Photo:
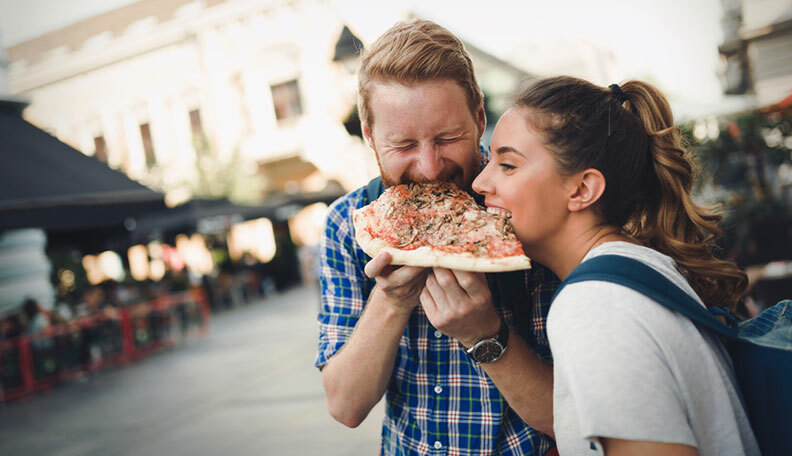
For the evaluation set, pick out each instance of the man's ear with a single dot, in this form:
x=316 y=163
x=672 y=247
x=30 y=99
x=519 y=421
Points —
x=588 y=187
x=481 y=119
x=367 y=135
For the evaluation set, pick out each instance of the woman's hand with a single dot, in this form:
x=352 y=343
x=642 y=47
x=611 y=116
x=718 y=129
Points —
x=459 y=304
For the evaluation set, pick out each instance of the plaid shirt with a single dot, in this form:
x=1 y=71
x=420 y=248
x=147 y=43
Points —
x=438 y=401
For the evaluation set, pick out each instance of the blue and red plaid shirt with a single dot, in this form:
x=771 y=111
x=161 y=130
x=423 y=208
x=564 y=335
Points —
x=438 y=401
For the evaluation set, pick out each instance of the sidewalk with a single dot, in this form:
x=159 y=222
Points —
x=248 y=388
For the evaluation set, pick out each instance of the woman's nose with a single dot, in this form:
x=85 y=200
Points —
x=481 y=184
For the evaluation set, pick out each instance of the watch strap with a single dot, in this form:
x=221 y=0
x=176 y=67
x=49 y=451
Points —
x=502 y=339
x=503 y=334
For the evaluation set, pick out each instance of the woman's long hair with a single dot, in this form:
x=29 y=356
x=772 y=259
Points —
x=627 y=133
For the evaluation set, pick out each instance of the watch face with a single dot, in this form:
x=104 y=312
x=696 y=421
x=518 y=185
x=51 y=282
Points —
x=487 y=351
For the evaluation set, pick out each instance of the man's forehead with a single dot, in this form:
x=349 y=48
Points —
x=448 y=87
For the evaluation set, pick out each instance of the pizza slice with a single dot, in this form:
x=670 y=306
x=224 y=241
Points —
x=438 y=225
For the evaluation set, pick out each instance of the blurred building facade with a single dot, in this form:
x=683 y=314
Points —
x=757 y=49
x=574 y=56
x=160 y=88
x=748 y=150
x=174 y=91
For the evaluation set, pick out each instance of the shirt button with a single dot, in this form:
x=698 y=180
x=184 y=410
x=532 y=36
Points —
x=438 y=334
x=438 y=389
x=438 y=445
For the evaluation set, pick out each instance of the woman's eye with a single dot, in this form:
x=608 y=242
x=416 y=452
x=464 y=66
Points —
x=507 y=167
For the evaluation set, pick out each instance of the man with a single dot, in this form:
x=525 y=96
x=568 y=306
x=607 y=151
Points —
x=422 y=113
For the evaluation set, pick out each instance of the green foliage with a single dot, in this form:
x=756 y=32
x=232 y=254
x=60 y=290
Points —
x=223 y=178
x=214 y=177
x=749 y=168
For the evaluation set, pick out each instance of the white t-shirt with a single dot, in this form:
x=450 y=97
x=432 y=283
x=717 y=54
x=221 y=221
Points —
x=626 y=367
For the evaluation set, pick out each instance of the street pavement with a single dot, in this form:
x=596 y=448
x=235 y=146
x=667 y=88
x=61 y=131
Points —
x=246 y=388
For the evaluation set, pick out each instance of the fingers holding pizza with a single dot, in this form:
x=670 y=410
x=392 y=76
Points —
x=401 y=284
x=459 y=304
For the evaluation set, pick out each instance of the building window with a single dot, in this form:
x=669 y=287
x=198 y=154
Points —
x=200 y=141
x=286 y=98
x=195 y=122
x=100 y=149
x=736 y=74
x=148 y=145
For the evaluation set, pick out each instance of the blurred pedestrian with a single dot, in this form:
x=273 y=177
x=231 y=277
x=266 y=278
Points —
x=62 y=312
x=35 y=319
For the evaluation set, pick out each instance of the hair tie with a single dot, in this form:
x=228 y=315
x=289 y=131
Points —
x=618 y=92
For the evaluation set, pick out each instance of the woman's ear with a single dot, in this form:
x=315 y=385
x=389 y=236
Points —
x=588 y=187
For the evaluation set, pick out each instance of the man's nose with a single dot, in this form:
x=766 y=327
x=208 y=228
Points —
x=430 y=164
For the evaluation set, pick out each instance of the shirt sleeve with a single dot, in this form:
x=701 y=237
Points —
x=610 y=358
x=344 y=288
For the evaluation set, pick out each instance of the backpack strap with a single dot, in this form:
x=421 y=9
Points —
x=375 y=188
x=644 y=279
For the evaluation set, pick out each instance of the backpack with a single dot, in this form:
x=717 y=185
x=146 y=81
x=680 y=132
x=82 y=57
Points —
x=760 y=348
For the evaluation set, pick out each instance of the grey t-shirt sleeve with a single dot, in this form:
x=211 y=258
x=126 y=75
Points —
x=609 y=360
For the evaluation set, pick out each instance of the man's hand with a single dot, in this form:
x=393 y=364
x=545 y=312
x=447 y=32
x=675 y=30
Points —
x=356 y=377
x=401 y=285
x=459 y=304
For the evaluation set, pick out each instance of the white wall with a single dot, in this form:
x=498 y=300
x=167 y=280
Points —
x=760 y=13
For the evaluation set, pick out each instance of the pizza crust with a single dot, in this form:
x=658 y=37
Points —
x=426 y=257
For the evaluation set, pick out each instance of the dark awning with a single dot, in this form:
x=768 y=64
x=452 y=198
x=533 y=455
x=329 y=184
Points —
x=208 y=216
x=47 y=184
x=188 y=217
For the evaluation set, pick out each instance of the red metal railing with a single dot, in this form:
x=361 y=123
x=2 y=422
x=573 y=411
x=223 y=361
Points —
x=38 y=362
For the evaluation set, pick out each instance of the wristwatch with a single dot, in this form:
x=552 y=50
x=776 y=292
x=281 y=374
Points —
x=490 y=349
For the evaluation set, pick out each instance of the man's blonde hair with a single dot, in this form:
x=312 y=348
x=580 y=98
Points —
x=415 y=51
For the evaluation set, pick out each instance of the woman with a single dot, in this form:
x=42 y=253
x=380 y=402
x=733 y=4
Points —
x=586 y=171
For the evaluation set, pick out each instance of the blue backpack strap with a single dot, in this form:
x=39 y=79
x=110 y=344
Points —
x=644 y=279
x=375 y=188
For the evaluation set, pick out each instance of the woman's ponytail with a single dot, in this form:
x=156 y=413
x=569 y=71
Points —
x=672 y=222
